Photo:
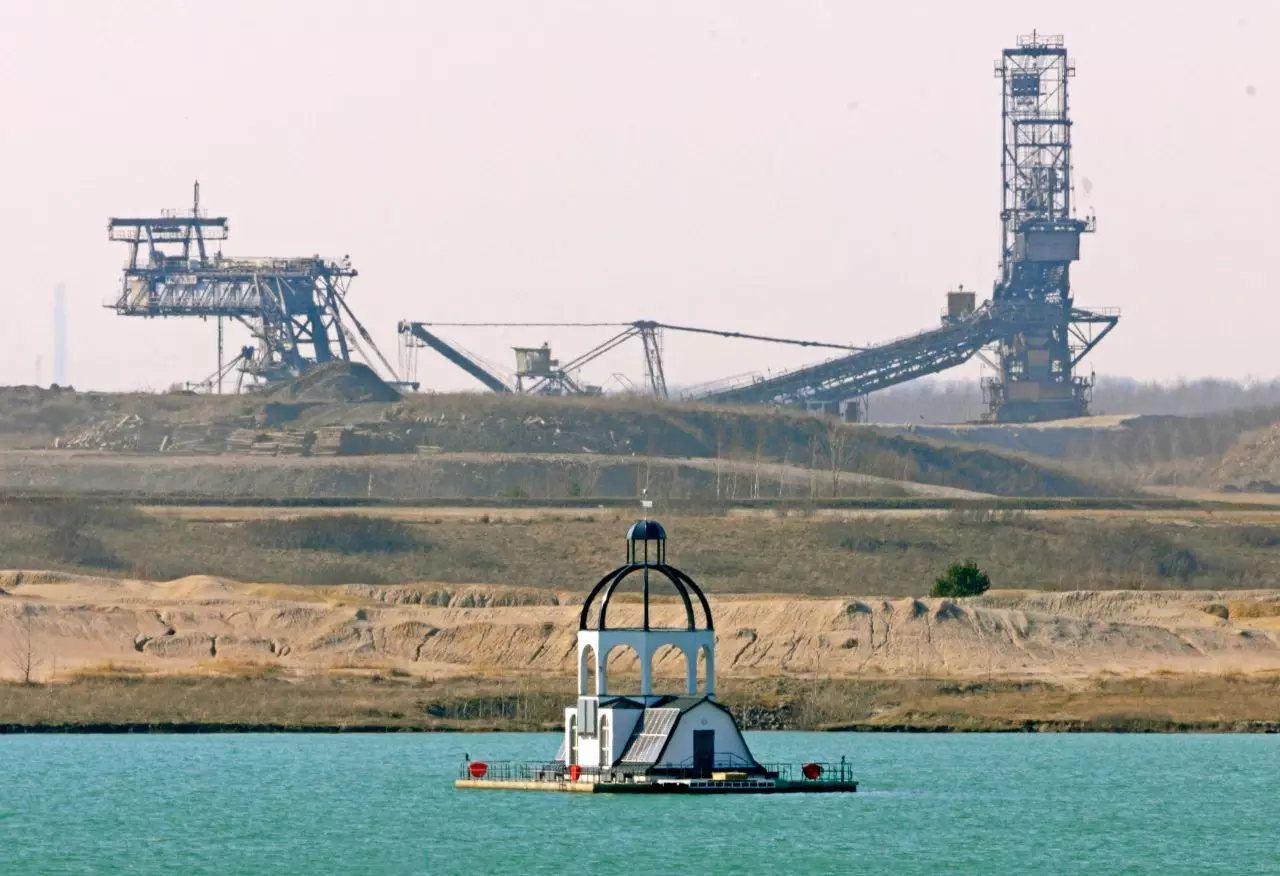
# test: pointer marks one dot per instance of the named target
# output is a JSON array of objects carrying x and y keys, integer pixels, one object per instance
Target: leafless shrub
[{"x": 22, "y": 650}]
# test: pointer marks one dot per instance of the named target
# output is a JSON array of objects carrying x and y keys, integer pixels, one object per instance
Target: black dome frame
[{"x": 683, "y": 584}]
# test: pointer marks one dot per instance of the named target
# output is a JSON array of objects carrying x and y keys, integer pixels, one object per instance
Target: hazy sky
[{"x": 817, "y": 170}]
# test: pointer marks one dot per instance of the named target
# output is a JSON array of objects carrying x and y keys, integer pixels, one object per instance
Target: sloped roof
[
  {"x": 620, "y": 703},
  {"x": 684, "y": 703},
  {"x": 649, "y": 736}
]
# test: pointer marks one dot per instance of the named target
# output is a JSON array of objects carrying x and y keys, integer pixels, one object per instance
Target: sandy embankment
[{"x": 439, "y": 630}]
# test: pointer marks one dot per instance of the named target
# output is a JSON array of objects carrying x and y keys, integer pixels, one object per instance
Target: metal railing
[
  {"x": 517, "y": 771},
  {"x": 838, "y": 772},
  {"x": 835, "y": 772}
]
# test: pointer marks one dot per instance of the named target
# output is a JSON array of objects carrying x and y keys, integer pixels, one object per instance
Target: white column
[
  {"x": 646, "y": 668},
  {"x": 711, "y": 669},
  {"x": 602, "y": 686}
]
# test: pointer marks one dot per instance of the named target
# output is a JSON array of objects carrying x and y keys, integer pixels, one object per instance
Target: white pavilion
[{"x": 613, "y": 735}]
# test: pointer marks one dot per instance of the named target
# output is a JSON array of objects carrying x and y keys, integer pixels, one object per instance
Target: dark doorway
[{"x": 704, "y": 751}]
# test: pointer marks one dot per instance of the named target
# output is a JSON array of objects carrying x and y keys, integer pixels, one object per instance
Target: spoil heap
[{"x": 337, "y": 381}]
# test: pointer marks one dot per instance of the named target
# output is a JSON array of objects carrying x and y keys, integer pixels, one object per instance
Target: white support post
[
  {"x": 646, "y": 668},
  {"x": 711, "y": 669}
]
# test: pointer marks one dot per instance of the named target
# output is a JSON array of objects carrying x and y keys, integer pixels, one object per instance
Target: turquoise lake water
[{"x": 990, "y": 804}]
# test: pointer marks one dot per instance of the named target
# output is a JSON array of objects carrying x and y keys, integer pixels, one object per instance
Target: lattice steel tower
[{"x": 1046, "y": 335}]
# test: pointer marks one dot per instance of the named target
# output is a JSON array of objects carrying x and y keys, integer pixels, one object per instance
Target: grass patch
[
  {"x": 890, "y": 553},
  {"x": 1258, "y": 536},
  {"x": 386, "y": 699},
  {"x": 340, "y": 534}
]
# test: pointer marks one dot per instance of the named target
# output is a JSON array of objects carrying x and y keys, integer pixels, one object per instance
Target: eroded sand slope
[{"x": 447, "y": 629}]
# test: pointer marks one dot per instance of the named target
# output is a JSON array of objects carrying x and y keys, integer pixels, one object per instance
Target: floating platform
[
  {"x": 556, "y": 778},
  {"x": 671, "y": 786}
]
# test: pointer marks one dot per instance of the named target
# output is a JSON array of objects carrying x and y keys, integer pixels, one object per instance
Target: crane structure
[
  {"x": 1037, "y": 334},
  {"x": 295, "y": 308},
  {"x": 538, "y": 373}
]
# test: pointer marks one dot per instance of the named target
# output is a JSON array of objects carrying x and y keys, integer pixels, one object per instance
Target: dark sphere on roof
[{"x": 646, "y": 530}]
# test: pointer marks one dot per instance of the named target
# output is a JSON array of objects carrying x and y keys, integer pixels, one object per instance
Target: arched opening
[
  {"x": 701, "y": 678},
  {"x": 587, "y": 672},
  {"x": 669, "y": 670},
  {"x": 606, "y": 759},
  {"x": 622, "y": 669},
  {"x": 572, "y": 752}
]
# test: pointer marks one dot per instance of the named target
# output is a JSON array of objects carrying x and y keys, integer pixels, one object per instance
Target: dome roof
[
  {"x": 690, "y": 594},
  {"x": 646, "y": 530},
  {"x": 644, "y": 562}
]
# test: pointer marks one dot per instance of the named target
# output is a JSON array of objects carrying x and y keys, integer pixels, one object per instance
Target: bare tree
[
  {"x": 761, "y": 439},
  {"x": 590, "y": 477},
  {"x": 813, "y": 466},
  {"x": 837, "y": 444},
  {"x": 22, "y": 651},
  {"x": 719, "y": 457}
]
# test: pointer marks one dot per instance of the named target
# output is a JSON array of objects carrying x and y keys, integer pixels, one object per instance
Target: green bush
[{"x": 962, "y": 579}]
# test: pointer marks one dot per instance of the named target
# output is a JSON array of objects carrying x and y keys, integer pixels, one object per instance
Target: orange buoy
[
  {"x": 575, "y": 773},
  {"x": 477, "y": 769},
  {"x": 811, "y": 771}
]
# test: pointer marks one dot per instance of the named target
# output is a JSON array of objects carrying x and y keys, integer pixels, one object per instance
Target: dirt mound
[
  {"x": 336, "y": 382},
  {"x": 492, "y": 628},
  {"x": 454, "y": 596},
  {"x": 1255, "y": 458},
  {"x": 197, "y": 587}
]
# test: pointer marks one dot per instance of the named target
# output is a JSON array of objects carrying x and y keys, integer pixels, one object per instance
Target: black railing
[
  {"x": 516, "y": 771},
  {"x": 838, "y": 772},
  {"x": 819, "y": 772}
]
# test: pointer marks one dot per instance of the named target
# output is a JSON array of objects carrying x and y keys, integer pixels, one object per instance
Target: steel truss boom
[
  {"x": 871, "y": 369},
  {"x": 905, "y": 359},
  {"x": 454, "y": 355},
  {"x": 561, "y": 378}
]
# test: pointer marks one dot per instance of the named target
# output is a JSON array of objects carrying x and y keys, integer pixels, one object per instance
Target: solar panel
[
  {"x": 650, "y": 736},
  {"x": 560, "y": 752}
]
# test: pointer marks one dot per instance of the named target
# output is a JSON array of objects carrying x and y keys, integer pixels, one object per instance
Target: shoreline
[
  {"x": 183, "y": 728},
  {"x": 266, "y": 700}
]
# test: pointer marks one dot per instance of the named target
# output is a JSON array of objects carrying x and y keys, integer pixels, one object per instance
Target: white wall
[
  {"x": 621, "y": 723},
  {"x": 705, "y": 717}
]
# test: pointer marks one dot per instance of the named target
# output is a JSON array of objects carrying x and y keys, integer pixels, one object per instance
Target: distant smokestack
[{"x": 60, "y": 334}]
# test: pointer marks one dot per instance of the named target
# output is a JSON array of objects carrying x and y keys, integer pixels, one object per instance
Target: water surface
[{"x": 279, "y": 804}]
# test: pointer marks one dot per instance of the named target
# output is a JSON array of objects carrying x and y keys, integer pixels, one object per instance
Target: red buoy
[
  {"x": 811, "y": 771},
  {"x": 575, "y": 772},
  {"x": 477, "y": 768}
]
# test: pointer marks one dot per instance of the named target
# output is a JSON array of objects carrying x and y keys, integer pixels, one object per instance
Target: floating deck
[{"x": 751, "y": 785}]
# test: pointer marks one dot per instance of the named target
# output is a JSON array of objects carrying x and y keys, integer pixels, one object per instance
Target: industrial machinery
[
  {"x": 536, "y": 372},
  {"x": 295, "y": 308},
  {"x": 1039, "y": 336},
  {"x": 1045, "y": 336}
]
